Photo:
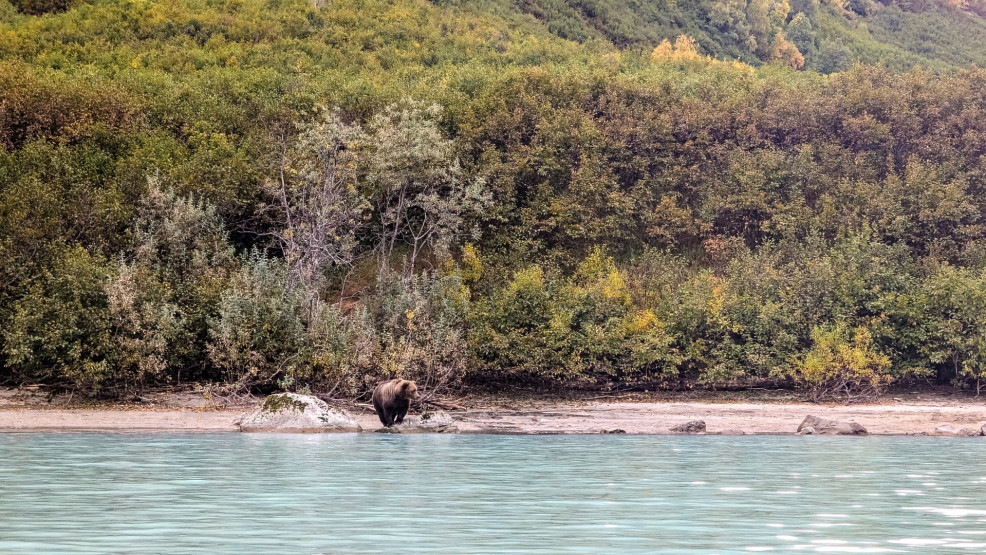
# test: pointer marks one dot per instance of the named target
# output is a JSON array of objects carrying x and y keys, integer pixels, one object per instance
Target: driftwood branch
[{"x": 444, "y": 405}]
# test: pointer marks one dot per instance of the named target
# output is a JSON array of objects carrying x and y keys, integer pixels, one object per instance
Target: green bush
[
  {"x": 41, "y": 7},
  {"x": 842, "y": 364},
  {"x": 182, "y": 247},
  {"x": 582, "y": 329},
  {"x": 145, "y": 327},
  {"x": 938, "y": 326},
  {"x": 261, "y": 334},
  {"x": 420, "y": 328},
  {"x": 59, "y": 331}
]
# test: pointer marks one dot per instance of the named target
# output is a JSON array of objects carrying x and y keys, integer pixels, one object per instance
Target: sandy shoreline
[{"x": 542, "y": 418}]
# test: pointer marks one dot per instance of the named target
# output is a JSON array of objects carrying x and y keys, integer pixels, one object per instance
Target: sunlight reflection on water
[{"x": 366, "y": 493}]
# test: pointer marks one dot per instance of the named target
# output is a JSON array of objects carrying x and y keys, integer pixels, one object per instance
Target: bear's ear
[{"x": 404, "y": 385}]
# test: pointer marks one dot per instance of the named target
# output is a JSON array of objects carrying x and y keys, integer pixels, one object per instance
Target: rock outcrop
[
  {"x": 430, "y": 422},
  {"x": 294, "y": 413},
  {"x": 830, "y": 427},
  {"x": 693, "y": 427}
]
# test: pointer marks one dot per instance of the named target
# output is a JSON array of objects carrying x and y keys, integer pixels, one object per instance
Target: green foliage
[
  {"x": 900, "y": 34},
  {"x": 42, "y": 103},
  {"x": 831, "y": 57},
  {"x": 269, "y": 332},
  {"x": 416, "y": 186},
  {"x": 167, "y": 288},
  {"x": 145, "y": 326},
  {"x": 419, "y": 329},
  {"x": 624, "y": 24},
  {"x": 581, "y": 329},
  {"x": 41, "y": 7},
  {"x": 546, "y": 190},
  {"x": 59, "y": 331},
  {"x": 802, "y": 34},
  {"x": 842, "y": 364},
  {"x": 264, "y": 329},
  {"x": 939, "y": 325},
  {"x": 90, "y": 324}
]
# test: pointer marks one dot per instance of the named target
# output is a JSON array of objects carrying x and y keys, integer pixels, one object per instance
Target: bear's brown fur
[{"x": 391, "y": 400}]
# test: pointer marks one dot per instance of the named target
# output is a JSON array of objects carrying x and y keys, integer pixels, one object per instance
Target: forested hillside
[
  {"x": 287, "y": 194},
  {"x": 829, "y": 35}
]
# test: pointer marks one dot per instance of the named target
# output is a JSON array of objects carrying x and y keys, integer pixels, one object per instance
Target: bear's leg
[
  {"x": 381, "y": 413},
  {"x": 386, "y": 418},
  {"x": 401, "y": 413}
]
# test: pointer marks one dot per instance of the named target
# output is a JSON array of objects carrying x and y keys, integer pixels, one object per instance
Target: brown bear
[{"x": 391, "y": 400}]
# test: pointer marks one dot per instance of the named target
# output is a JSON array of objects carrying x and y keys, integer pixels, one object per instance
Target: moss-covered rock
[{"x": 293, "y": 413}]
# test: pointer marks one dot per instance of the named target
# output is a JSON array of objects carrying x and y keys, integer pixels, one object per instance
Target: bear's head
[{"x": 408, "y": 389}]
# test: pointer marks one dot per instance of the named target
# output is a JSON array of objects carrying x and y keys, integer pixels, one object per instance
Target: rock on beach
[
  {"x": 831, "y": 427},
  {"x": 949, "y": 430},
  {"x": 294, "y": 413},
  {"x": 692, "y": 427},
  {"x": 430, "y": 422}
]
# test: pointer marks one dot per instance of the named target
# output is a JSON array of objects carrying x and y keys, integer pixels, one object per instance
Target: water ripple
[{"x": 366, "y": 493}]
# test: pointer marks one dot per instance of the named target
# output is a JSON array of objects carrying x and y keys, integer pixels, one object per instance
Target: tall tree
[{"x": 419, "y": 191}]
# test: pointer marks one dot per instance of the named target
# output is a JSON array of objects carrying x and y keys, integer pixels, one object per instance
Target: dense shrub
[
  {"x": 59, "y": 330},
  {"x": 262, "y": 332},
  {"x": 842, "y": 364},
  {"x": 419, "y": 325},
  {"x": 348, "y": 191},
  {"x": 40, "y": 7},
  {"x": 582, "y": 329},
  {"x": 145, "y": 326}
]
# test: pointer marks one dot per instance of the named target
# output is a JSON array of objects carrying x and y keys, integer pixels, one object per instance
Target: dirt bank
[{"x": 917, "y": 415}]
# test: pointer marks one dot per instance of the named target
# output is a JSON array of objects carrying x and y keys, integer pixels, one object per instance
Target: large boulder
[
  {"x": 692, "y": 427},
  {"x": 430, "y": 422},
  {"x": 294, "y": 413},
  {"x": 832, "y": 427}
]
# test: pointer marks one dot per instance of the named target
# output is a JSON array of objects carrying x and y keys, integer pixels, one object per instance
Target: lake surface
[{"x": 360, "y": 493}]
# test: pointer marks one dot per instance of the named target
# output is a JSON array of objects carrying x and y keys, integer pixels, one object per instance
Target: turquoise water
[{"x": 364, "y": 493}]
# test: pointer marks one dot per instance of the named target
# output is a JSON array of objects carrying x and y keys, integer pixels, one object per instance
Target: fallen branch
[
  {"x": 613, "y": 395},
  {"x": 445, "y": 405}
]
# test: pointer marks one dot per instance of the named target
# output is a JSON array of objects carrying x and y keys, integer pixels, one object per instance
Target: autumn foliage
[{"x": 285, "y": 195}]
